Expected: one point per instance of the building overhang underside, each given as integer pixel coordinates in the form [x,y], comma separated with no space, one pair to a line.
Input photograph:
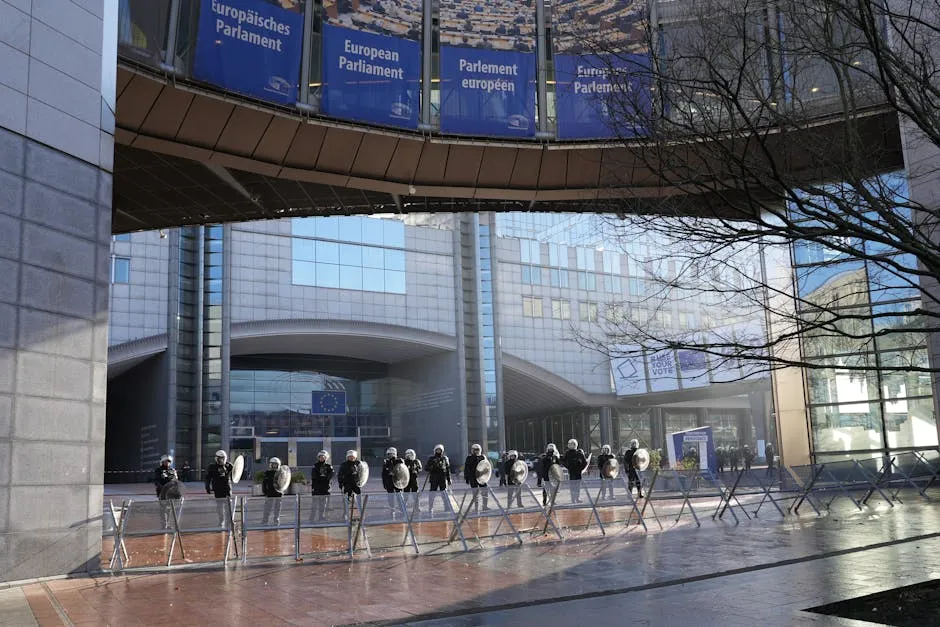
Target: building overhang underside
[187,155]
[528,390]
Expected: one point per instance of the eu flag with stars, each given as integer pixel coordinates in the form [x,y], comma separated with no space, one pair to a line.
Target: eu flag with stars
[328,403]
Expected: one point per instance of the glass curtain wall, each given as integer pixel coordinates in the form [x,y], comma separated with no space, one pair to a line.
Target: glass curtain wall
[855,412]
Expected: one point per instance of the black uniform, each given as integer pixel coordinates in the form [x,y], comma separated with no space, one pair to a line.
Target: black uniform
[349,477]
[388,473]
[414,467]
[733,458]
[161,477]
[575,461]
[269,489]
[546,461]
[607,486]
[217,482]
[748,458]
[721,456]
[470,470]
[322,475]
[515,487]
[438,476]
[769,453]
[633,476]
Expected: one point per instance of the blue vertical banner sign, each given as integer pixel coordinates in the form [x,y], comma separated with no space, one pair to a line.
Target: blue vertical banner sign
[602,79]
[488,67]
[372,61]
[252,47]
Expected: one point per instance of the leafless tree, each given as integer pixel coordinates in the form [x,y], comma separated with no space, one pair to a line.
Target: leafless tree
[770,127]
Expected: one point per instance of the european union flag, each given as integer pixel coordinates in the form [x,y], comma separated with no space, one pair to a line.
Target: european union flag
[328,403]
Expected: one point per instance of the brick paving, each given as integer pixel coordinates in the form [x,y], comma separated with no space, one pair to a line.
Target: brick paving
[764,571]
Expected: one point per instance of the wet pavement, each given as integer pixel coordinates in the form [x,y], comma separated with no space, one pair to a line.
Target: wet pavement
[764,571]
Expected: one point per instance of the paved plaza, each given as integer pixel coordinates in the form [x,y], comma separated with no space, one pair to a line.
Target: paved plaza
[763,571]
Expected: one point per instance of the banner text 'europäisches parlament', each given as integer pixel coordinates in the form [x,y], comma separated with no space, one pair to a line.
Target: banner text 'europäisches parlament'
[245,24]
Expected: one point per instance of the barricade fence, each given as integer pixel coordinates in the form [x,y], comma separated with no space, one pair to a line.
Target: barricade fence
[148,534]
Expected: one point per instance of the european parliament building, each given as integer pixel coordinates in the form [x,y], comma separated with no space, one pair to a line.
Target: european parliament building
[280,226]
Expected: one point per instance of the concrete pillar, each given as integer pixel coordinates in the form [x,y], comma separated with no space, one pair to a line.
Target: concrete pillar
[56,155]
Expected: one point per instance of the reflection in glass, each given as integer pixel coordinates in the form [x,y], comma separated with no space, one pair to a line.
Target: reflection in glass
[911,422]
[848,427]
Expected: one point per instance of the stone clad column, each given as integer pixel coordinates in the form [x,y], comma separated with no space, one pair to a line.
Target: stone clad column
[56,155]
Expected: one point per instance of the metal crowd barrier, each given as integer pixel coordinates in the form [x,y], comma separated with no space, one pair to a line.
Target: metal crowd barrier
[456,518]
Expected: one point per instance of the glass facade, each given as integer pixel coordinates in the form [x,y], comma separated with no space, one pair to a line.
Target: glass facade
[488,338]
[349,252]
[622,279]
[863,397]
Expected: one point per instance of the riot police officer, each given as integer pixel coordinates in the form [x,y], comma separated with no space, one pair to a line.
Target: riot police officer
[470,476]
[546,461]
[269,489]
[218,482]
[607,485]
[349,474]
[321,477]
[414,467]
[164,478]
[515,486]
[438,474]
[392,460]
[633,475]
[575,461]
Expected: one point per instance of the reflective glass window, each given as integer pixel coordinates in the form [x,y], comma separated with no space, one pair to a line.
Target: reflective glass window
[394,260]
[373,279]
[327,275]
[393,233]
[833,285]
[350,255]
[120,270]
[304,226]
[372,231]
[350,228]
[123,237]
[531,307]
[847,427]
[588,312]
[327,227]
[561,309]
[910,422]
[350,277]
[373,257]
[394,282]
[327,252]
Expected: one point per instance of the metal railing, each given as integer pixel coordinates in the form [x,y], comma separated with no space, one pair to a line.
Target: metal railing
[148,534]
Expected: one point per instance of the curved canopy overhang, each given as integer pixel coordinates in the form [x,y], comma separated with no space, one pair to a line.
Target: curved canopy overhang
[123,357]
[187,154]
[383,343]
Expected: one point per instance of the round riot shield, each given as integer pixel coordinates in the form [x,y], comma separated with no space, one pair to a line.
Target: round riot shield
[518,472]
[363,474]
[641,459]
[556,473]
[611,469]
[171,490]
[238,468]
[400,476]
[484,471]
[282,478]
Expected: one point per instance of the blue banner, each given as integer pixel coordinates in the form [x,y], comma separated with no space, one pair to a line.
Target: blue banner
[328,403]
[599,97]
[371,78]
[487,92]
[250,46]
